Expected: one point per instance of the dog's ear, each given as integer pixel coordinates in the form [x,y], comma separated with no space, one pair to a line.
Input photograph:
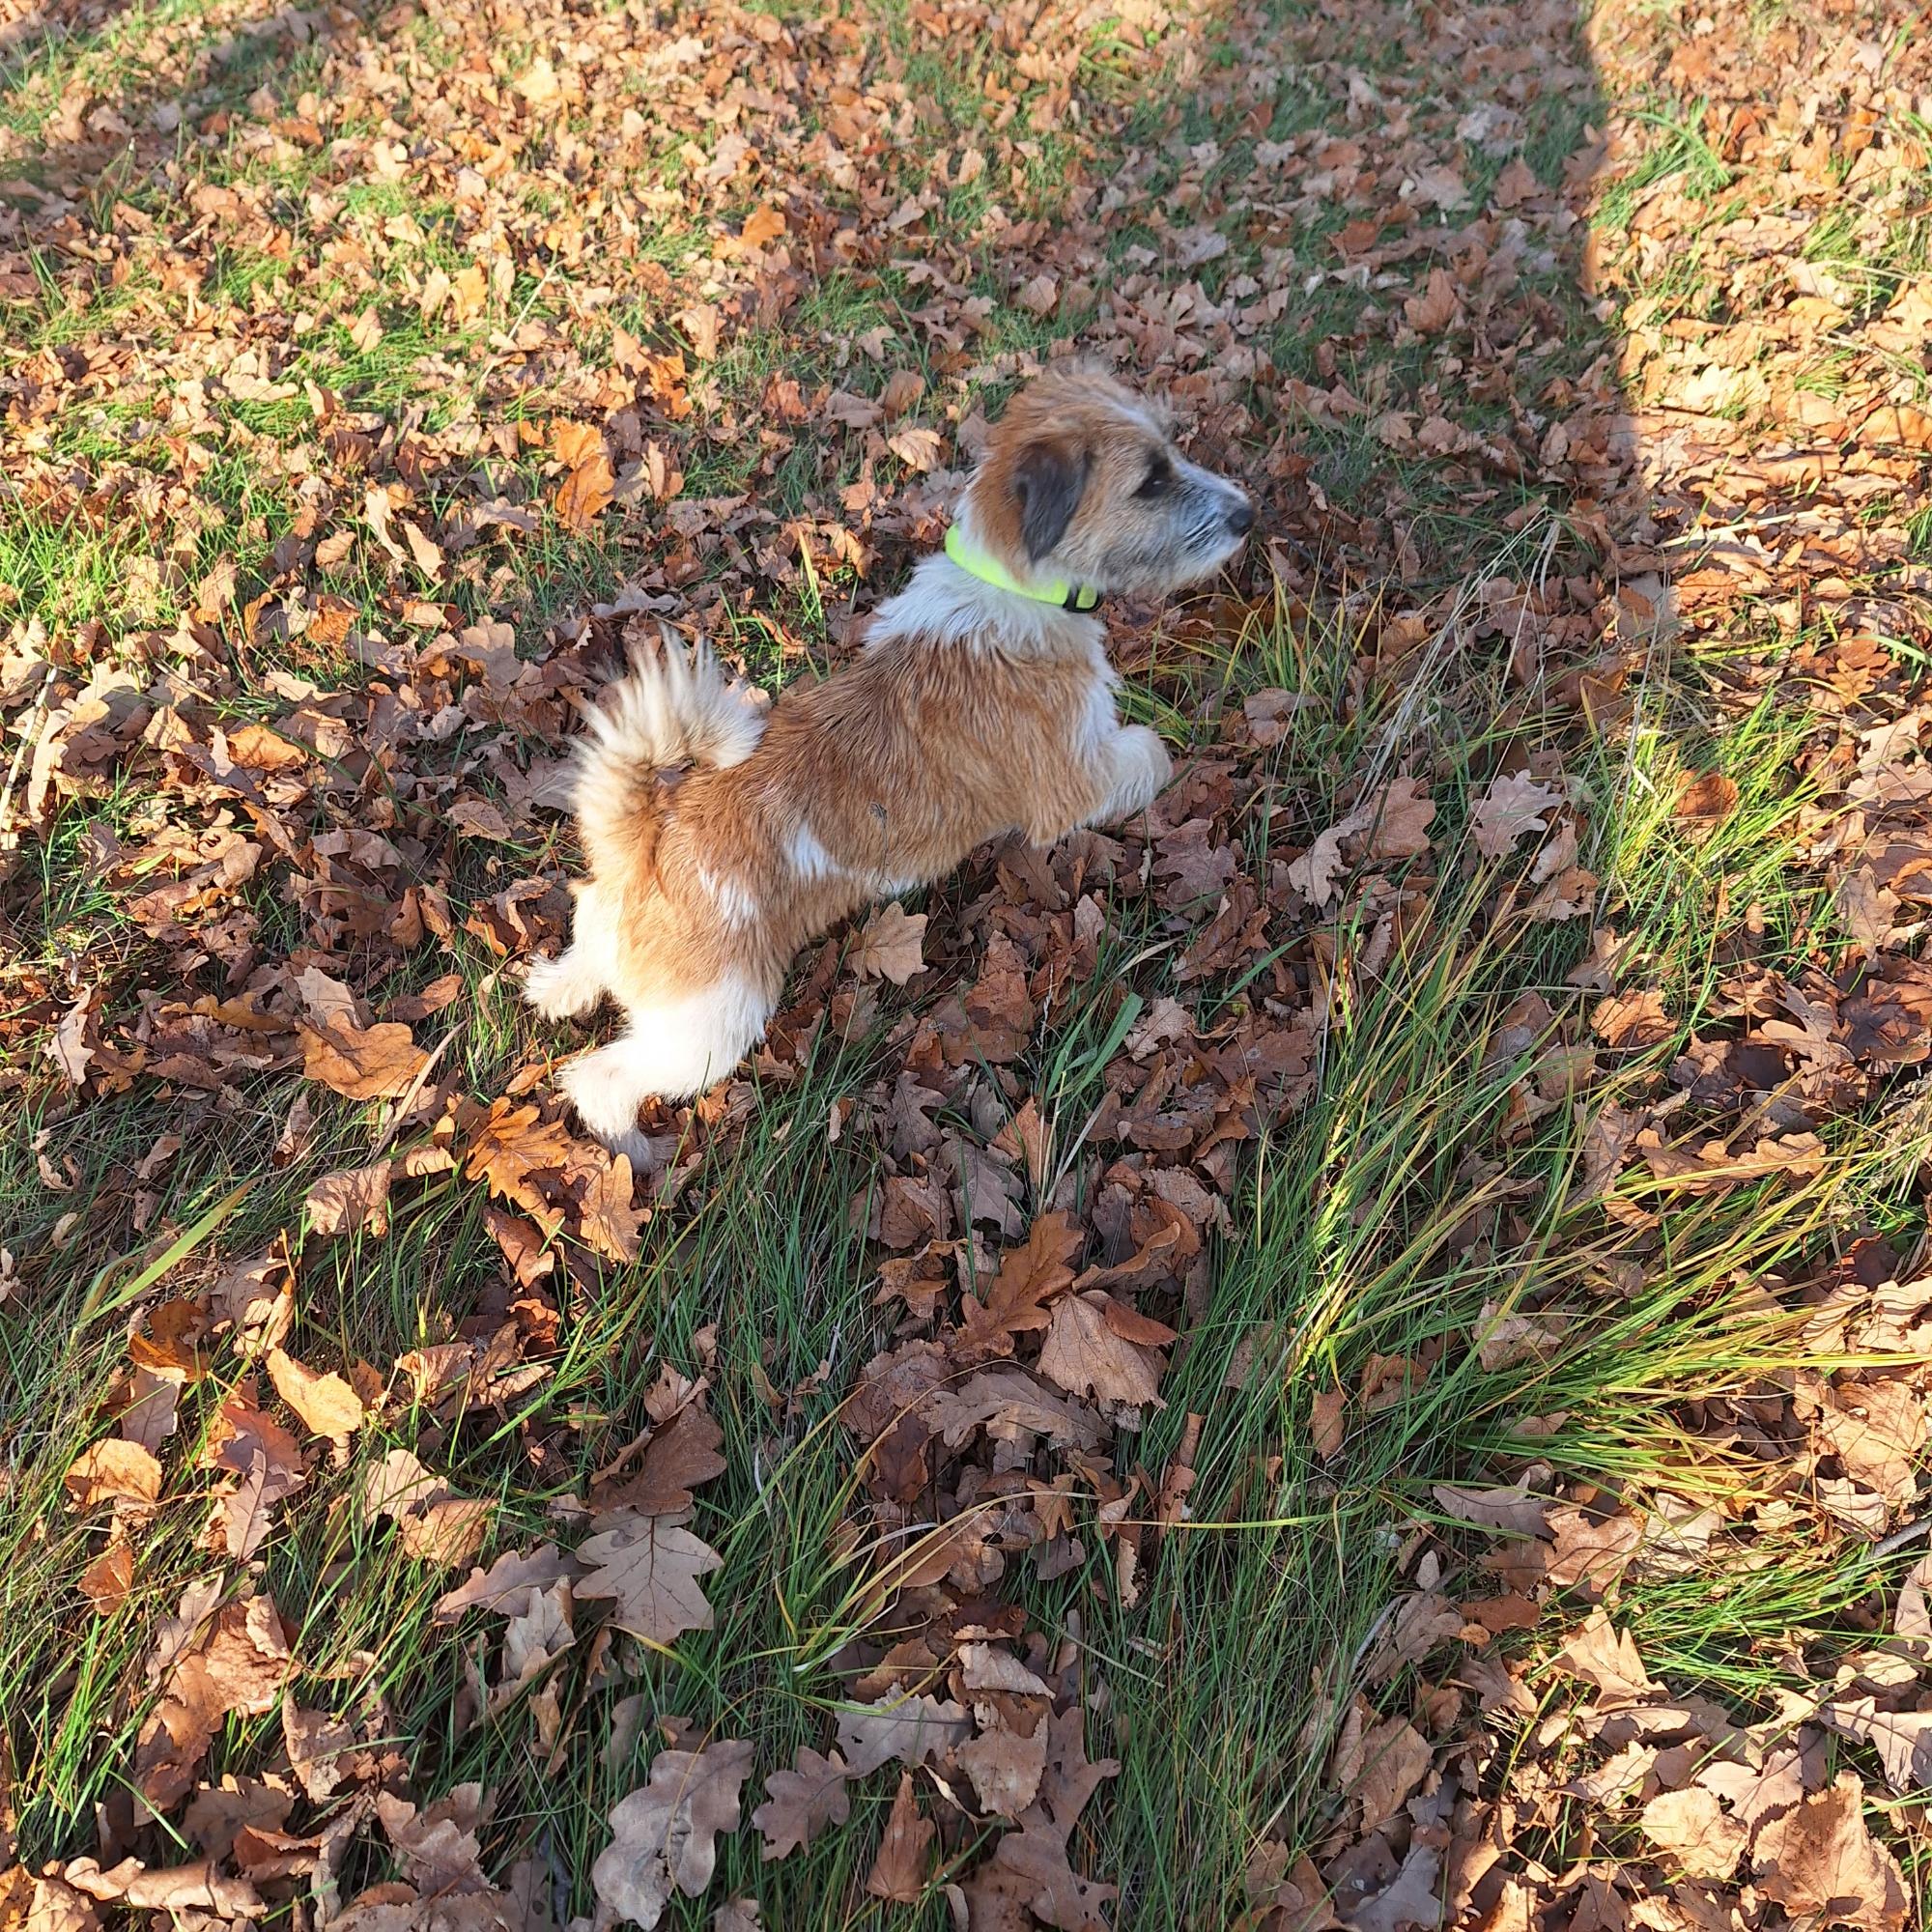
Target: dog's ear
[1047,482]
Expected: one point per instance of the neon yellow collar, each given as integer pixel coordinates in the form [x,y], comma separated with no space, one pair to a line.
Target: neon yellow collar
[976,563]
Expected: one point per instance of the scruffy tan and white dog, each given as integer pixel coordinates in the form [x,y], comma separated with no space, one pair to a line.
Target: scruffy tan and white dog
[721,837]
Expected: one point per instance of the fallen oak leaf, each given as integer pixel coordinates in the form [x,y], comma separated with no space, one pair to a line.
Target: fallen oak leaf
[448,1530]
[1605,1657]
[1380,1764]
[918,1730]
[1399,821]
[607,1216]
[114,1470]
[175,1888]
[1004,1400]
[377,1063]
[107,1580]
[1325,1425]
[240,1667]
[663,1835]
[586,493]
[397,1485]
[152,1398]
[1004,1762]
[1029,1276]
[917,447]
[507,1588]
[1314,874]
[1030,1869]
[650,1568]
[892,946]
[1630,1020]
[680,1453]
[1591,1554]
[1511,806]
[318,1746]
[1820,1861]
[1703,803]
[326,1405]
[1902,1739]
[1694,1828]
[1095,1345]
[353,1200]
[1515,1508]
[800,1802]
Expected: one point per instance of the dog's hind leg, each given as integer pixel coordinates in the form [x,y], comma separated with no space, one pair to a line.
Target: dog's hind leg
[570,985]
[565,987]
[669,1052]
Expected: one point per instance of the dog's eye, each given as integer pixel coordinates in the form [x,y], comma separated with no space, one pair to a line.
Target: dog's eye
[1160,474]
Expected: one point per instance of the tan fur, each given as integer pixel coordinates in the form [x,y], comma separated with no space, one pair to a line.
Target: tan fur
[972,712]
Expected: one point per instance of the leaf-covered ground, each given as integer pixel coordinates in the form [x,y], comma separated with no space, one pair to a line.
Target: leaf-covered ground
[1351,1354]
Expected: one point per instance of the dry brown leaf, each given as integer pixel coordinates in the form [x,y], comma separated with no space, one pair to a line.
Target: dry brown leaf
[1628,1020]
[892,946]
[353,1201]
[586,493]
[1696,1832]
[762,226]
[1326,1427]
[1399,821]
[1378,1763]
[176,1890]
[1005,1760]
[397,1485]
[107,1580]
[152,1397]
[1029,1276]
[800,1802]
[609,1219]
[375,1062]
[319,1747]
[1510,807]
[1902,1739]
[1822,1865]
[325,1403]
[239,1665]
[1514,1508]
[1877,1431]
[916,1730]
[448,1529]
[664,1836]
[1605,1657]
[1591,1554]
[651,1568]
[1704,803]
[1087,1352]
[114,1471]
[1435,309]
[507,1587]
[918,448]
[904,1862]
[682,1452]
[1030,1870]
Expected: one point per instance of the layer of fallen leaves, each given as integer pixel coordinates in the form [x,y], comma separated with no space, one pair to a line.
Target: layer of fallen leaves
[347,773]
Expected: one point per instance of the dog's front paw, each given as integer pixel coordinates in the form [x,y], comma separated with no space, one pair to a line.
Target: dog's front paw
[1142,769]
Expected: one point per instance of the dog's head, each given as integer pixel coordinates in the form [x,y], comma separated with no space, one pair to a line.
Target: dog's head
[1081,480]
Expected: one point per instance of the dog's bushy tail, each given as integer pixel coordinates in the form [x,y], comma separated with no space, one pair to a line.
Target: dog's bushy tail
[671,712]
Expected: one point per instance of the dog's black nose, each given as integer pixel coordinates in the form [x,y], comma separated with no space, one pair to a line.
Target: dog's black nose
[1241,518]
